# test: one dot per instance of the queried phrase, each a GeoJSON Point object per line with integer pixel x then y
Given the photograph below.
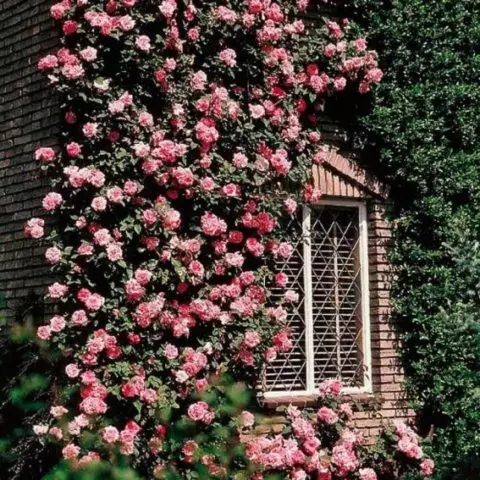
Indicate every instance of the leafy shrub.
{"type": "Point", "coordinates": [424, 127]}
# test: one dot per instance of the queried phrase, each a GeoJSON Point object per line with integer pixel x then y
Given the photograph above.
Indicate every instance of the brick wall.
{"type": "Point", "coordinates": [28, 118]}
{"type": "Point", "coordinates": [388, 395]}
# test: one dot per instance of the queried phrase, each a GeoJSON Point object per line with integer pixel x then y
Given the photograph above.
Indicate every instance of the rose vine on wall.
{"type": "Point", "coordinates": [190, 130]}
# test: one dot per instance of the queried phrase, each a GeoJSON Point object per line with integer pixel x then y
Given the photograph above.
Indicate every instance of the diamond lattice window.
{"type": "Point", "coordinates": [330, 329]}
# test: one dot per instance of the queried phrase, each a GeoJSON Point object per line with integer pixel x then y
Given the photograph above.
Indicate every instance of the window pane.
{"type": "Point", "coordinates": [288, 371]}
{"type": "Point", "coordinates": [336, 295]}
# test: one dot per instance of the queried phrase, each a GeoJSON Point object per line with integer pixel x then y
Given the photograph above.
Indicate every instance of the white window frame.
{"type": "Point", "coordinates": [311, 390]}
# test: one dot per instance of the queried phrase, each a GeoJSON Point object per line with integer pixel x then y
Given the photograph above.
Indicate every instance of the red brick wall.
{"type": "Point", "coordinates": [387, 376]}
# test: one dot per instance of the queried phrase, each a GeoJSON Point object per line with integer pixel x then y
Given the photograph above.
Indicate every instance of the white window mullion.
{"type": "Point", "coordinates": [364, 282]}
{"type": "Point", "coordinates": [307, 279]}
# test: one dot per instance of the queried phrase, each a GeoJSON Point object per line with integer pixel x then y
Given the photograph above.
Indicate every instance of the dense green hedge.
{"type": "Point", "coordinates": [425, 134]}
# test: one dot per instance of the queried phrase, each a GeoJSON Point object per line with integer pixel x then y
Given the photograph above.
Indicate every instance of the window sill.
{"type": "Point", "coordinates": [362, 399]}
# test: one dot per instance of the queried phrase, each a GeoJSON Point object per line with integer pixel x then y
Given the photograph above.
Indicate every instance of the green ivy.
{"type": "Point", "coordinates": [424, 135]}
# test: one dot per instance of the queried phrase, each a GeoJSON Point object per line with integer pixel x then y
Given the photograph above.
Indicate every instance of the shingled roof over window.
{"type": "Point", "coordinates": [340, 176]}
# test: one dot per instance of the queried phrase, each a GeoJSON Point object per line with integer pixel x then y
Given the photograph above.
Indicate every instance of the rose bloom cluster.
{"type": "Point", "coordinates": [173, 186]}
{"type": "Point", "coordinates": [320, 444]}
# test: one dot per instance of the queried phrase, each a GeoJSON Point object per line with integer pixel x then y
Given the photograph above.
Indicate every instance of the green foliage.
{"type": "Point", "coordinates": [93, 471]}
{"type": "Point", "coordinates": [25, 381]}
{"type": "Point", "coordinates": [424, 127]}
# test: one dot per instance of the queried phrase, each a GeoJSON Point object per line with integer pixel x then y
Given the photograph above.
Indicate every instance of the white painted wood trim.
{"type": "Point", "coordinates": [307, 282]}
{"type": "Point", "coordinates": [365, 287]}
{"type": "Point", "coordinates": [310, 394]}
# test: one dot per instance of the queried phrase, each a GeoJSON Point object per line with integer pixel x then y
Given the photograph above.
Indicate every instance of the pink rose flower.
{"type": "Point", "coordinates": [58, 411]}
{"type": "Point", "coordinates": [427, 467]}
{"type": "Point", "coordinates": [248, 419]}
{"type": "Point", "coordinates": [193, 34]}
{"type": "Point", "coordinates": [69, 27]}
{"type": "Point", "coordinates": [71, 452]}
{"type": "Point", "coordinates": [330, 50]}
{"type": "Point", "coordinates": [240, 160]}
{"type": "Point", "coordinates": [47, 63]}
{"type": "Point", "coordinates": [94, 302]}
{"type": "Point", "coordinates": [212, 225]}
{"type": "Point", "coordinates": [226, 15]}
{"type": "Point", "coordinates": [145, 119]}
{"type": "Point", "coordinates": [126, 23]}
{"type": "Point", "coordinates": [34, 228]}
{"type": "Point", "coordinates": [170, 351]}
{"type": "Point", "coordinates": [198, 411]}
{"type": "Point", "coordinates": [57, 290]}
{"type": "Point", "coordinates": [360, 44]}
{"type": "Point", "coordinates": [167, 8]}
{"type": "Point", "coordinates": [330, 387]}
{"type": "Point", "coordinates": [58, 10]}
{"type": "Point", "coordinates": [252, 339]}
{"type": "Point", "coordinates": [90, 129]}
{"type": "Point", "coordinates": [284, 250]}
{"type": "Point", "coordinates": [134, 290]}
{"type": "Point", "coordinates": [51, 201]}
{"type": "Point", "coordinates": [96, 178]}
{"type": "Point", "coordinates": [93, 406]}
{"type": "Point", "coordinates": [196, 268]}
{"type": "Point", "coordinates": [149, 216]}
{"type": "Point", "coordinates": [102, 237]}
{"type": "Point", "coordinates": [89, 54]}
{"type": "Point", "coordinates": [367, 474]}
{"type": "Point", "coordinates": [57, 323]}
{"type": "Point", "coordinates": [72, 72]}
{"type": "Point", "coordinates": [99, 204]}
{"type": "Point", "coordinates": [232, 190]}
{"type": "Point", "coordinates": [228, 57]}
{"type": "Point", "coordinates": [143, 43]}
{"type": "Point", "coordinates": [114, 252]}
{"type": "Point", "coordinates": [53, 255]}
{"type": "Point", "coordinates": [44, 332]}
{"type": "Point", "coordinates": [79, 318]}
{"type": "Point", "coordinates": [340, 83]}
{"type": "Point", "coordinates": [374, 75]}
{"type": "Point", "coordinates": [115, 195]}
{"type": "Point", "coordinates": [72, 370]}
{"type": "Point", "coordinates": [110, 434]}
{"type": "Point", "coordinates": [143, 276]}
{"type": "Point", "coordinates": [56, 432]}
{"type": "Point", "coordinates": [73, 149]}
{"type": "Point", "coordinates": [40, 430]}
{"type": "Point", "coordinates": [149, 396]}
{"type": "Point", "coordinates": [327, 415]}
{"type": "Point", "coordinates": [234, 259]}
{"type": "Point", "coordinates": [256, 111]}
{"type": "Point", "coordinates": [198, 80]}
{"type": "Point", "coordinates": [207, 184]}
{"type": "Point", "coordinates": [44, 154]}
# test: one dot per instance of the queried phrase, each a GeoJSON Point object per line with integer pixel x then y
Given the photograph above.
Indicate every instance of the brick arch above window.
{"type": "Point", "coordinates": [340, 176]}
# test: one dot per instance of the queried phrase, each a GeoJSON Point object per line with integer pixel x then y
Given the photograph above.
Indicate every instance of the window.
{"type": "Point", "coordinates": [330, 323]}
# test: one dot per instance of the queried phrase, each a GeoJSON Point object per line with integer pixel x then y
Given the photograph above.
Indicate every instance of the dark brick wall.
{"type": "Point", "coordinates": [28, 118]}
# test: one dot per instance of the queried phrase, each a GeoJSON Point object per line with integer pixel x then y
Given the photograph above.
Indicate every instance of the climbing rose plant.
{"type": "Point", "coordinates": [190, 130]}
